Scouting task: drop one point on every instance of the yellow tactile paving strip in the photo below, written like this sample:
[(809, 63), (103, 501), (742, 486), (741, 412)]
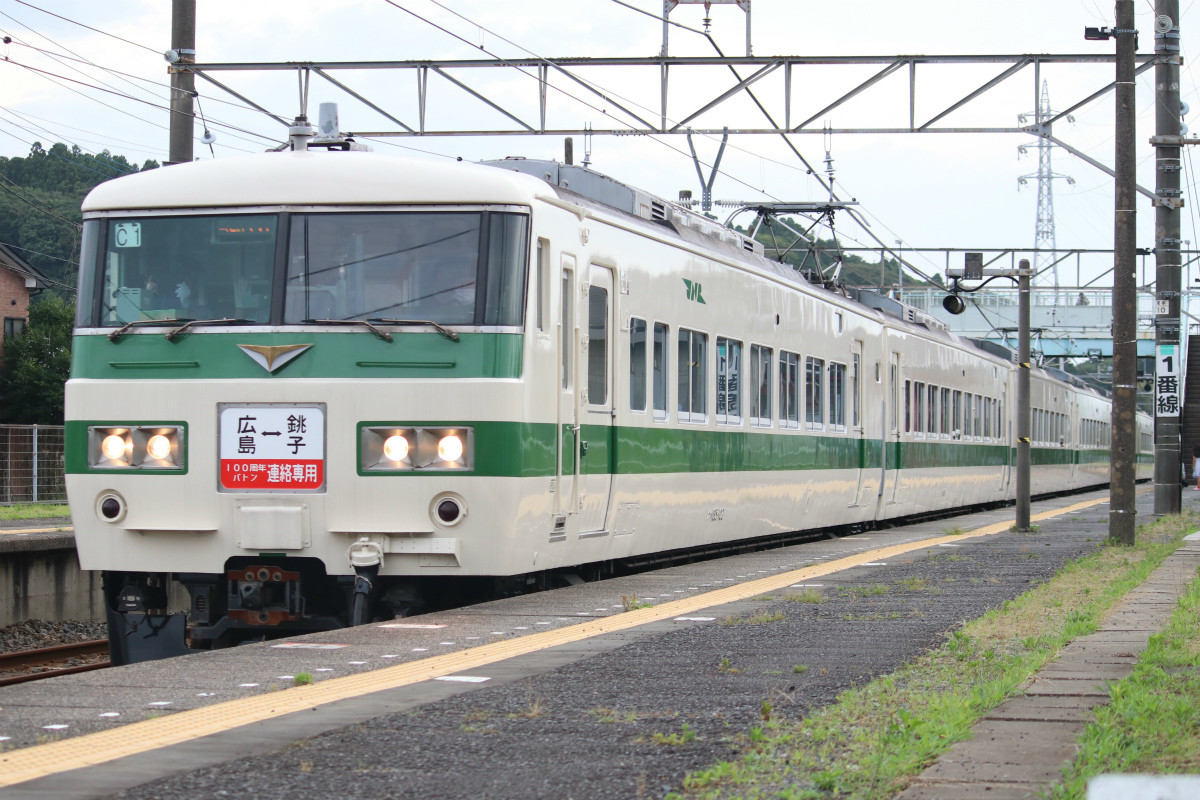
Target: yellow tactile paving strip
[(29, 763), (60, 529)]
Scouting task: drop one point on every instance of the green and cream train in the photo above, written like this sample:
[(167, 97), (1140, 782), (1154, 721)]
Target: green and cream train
[(313, 387)]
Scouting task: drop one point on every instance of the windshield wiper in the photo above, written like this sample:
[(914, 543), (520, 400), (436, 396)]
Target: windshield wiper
[(387, 337), (444, 331), (138, 323), (191, 323)]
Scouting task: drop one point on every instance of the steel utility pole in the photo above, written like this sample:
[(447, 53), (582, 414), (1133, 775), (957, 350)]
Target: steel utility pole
[(1024, 417), (1122, 514), (1167, 143), (183, 80)]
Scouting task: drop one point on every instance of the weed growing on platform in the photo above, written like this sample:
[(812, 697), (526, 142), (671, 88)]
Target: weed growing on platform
[(302, 678), (876, 738), (686, 735), (807, 596), (1150, 724), (630, 602), (913, 584)]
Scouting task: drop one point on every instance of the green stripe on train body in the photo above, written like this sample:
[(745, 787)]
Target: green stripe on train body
[(529, 449), (412, 353)]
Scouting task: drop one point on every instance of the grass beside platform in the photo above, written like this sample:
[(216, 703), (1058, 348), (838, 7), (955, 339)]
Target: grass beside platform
[(875, 739), (1150, 725), (34, 511)]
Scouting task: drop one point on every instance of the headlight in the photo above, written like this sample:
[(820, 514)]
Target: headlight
[(158, 447), (115, 447), (450, 448), (136, 447), (387, 448), (395, 448)]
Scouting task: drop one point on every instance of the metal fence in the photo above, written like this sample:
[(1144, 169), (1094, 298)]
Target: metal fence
[(31, 464)]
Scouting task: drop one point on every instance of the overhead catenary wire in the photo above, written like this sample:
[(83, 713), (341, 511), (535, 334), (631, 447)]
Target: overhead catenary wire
[(549, 62), (72, 138), (89, 27), (43, 72), (33, 204), (808, 168)]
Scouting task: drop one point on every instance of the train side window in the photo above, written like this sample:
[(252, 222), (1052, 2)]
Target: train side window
[(659, 373), (693, 363), (729, 381), (567, 329), (945, 409), (932, 420), (814, 393), (789, 390), (637, 364), (760, 385), (957, 420), (597, 346), (919, 408), (837, 397), (855, 390), (987, 417), (907, 406), (542, 278)]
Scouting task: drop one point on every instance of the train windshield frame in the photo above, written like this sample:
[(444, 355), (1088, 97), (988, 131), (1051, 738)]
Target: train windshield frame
[(453, 266)]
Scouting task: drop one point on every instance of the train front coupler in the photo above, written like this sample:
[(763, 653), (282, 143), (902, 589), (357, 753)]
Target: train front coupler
[(366, 557)]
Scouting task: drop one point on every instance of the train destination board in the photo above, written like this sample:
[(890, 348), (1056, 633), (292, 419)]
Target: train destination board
[(272, 448)]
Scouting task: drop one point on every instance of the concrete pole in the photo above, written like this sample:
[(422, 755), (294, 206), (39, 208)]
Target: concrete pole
[(1122, 514), (1167, 429), (183, 81), (1023, 413)]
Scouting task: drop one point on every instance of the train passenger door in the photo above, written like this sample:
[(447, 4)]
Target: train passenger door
[(596, 401), (858, 424), (892, 449), (1010, 442), (566, 482)]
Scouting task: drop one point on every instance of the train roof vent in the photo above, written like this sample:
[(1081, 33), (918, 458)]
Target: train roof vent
[(995, 348), (658, 211), (932, 323), (581, 180)]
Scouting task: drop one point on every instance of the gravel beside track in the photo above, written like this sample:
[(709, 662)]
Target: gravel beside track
[(588, 729), (36, 633)]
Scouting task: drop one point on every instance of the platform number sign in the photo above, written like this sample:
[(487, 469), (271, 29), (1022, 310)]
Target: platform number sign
[(1166, 381)]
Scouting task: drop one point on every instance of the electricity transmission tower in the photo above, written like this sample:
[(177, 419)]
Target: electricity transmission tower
[(1047, 258)]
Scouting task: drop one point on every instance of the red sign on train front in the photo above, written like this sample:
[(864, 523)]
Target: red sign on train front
[(272, 448)]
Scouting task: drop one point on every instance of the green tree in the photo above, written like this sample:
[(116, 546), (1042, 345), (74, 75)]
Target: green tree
[(40, 196), (37, 364)]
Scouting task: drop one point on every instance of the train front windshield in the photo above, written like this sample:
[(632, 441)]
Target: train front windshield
[(449, 267)]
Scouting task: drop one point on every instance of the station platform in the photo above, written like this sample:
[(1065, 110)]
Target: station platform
[(561, 693), (40, 576)]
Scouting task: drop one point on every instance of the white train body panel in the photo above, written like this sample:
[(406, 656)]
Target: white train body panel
[(656, 385)]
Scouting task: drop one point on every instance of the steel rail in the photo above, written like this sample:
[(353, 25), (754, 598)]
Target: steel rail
[(23, 659)]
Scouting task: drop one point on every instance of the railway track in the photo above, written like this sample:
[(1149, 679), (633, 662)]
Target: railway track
[(33, 665)]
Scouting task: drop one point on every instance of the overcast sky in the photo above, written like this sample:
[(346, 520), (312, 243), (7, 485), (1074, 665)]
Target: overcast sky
[(928, 190)]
